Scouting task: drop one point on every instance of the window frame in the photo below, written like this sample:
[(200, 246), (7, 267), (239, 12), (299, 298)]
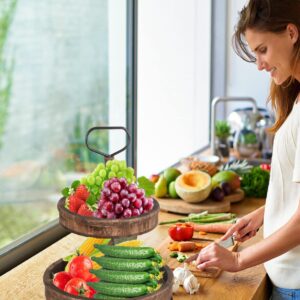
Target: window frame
[(27, 246)]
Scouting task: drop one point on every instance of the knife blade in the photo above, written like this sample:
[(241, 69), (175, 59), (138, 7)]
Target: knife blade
[(226, 244)]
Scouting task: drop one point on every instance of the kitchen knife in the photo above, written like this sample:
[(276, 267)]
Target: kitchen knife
[(226, 244)]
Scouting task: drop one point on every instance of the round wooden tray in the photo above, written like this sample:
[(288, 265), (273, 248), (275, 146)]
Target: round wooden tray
[(53, 293), (107, 228)]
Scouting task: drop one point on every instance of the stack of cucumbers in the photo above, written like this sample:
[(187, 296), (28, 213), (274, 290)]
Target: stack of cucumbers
[(126, 272)]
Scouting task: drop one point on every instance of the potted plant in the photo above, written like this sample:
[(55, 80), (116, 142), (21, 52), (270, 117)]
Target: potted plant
[(222, 132)]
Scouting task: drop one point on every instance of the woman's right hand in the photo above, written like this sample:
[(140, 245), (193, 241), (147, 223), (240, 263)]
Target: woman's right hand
[(246, 227)]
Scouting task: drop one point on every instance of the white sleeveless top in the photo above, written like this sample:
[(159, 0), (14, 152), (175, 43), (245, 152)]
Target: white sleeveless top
[(283, 198)]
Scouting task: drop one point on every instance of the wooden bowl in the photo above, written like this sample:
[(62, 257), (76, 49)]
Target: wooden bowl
[(107, 228), (53, 293)]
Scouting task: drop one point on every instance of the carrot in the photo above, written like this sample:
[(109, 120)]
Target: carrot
[(186, 246), (212, 228)]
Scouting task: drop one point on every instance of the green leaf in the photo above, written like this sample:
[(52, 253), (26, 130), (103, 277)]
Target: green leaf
[(66, 192), (147, 185), (91, 201), (75, 184)]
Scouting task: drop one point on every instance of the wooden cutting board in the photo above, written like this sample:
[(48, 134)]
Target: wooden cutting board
[(182, 207), (172, 263)]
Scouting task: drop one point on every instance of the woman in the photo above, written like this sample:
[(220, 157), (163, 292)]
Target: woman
[(268, 33)]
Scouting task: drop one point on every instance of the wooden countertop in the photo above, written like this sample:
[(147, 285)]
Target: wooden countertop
[(25, 282)]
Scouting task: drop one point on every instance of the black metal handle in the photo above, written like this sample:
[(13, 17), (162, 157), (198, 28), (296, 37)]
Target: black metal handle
[(107, 156)]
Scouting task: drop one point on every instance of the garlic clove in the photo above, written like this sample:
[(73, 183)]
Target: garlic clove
[(175, 286), (191, 284)]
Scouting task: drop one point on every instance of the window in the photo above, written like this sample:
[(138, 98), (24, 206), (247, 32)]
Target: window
[(63, 71), (173, 81)]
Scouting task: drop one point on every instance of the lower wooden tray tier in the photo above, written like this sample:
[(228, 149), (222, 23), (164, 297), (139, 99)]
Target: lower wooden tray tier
[(53, 293), (107, 228), (182, 207)]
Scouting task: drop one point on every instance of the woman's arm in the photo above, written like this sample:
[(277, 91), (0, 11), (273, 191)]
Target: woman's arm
[(281, 241), (286, 238)]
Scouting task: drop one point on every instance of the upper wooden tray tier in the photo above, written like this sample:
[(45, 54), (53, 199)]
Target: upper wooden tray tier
[(107, 228), (53, 293)]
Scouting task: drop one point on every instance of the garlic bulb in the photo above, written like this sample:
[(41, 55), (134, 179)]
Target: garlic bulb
[(176, 285), (191, 284), (181, 273)]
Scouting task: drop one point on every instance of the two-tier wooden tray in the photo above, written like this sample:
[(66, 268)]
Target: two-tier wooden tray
[(53, 293)]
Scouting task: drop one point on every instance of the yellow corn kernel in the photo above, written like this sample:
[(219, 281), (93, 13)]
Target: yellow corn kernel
[(132, 243), (87, 247)]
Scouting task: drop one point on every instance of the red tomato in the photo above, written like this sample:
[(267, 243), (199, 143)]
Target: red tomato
[(92, 292), (265, 167), (181, 232), (77, 286), (80, 267), (60, 279)]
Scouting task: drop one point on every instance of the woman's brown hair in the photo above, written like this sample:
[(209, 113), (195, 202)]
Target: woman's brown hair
[(272, 16)]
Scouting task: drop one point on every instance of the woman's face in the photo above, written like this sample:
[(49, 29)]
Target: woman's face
[(273, 51)]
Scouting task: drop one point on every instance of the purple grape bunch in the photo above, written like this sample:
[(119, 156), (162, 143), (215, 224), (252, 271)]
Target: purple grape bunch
[(119, 200)]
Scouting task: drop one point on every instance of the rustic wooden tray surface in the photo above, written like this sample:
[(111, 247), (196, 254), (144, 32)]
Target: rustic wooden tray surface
[(107, 228), (53, 293), (182, 207)]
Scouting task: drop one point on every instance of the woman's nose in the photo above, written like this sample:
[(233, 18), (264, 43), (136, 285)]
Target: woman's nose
[(260, 64)]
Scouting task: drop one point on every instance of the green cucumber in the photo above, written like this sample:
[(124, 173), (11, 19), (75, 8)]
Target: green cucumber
[(124, 264), (122, 276), (126, 252), (120, 290), (105, 297)]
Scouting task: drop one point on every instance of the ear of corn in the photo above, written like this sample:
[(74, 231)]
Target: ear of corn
[(132, 243), (87, 247)]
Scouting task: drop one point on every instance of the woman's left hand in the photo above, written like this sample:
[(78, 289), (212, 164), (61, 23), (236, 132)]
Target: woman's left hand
[(215, 255)]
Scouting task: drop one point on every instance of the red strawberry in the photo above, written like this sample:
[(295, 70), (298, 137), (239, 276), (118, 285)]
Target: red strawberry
[(84, 210), (75, 203), (82, 192)]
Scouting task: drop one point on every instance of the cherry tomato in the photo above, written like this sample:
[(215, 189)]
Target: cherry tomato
[(80, 267), (266, 167), (181, 232), (77, 286), (60, 279)]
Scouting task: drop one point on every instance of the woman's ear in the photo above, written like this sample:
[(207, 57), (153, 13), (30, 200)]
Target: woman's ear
[(293, 32)]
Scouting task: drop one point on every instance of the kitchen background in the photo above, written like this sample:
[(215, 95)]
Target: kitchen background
[(64, 70)]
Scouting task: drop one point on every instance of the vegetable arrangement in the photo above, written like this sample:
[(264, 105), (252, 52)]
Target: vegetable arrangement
[(126, 272), (256, 182)]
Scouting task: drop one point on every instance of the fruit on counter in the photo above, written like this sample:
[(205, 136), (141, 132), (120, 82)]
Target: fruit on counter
[(171, 174), (161, 188), (266, 167), (227, 176), (172, 190), (181, 232), (193, 186), (217, 194), (237, 166), (154, 178), (119, 199), (226, 188)]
